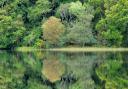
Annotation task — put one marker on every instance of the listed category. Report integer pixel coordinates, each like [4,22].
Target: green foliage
[109,3]
[14,72]
[80,34]
[20,22]
[80,31]
[33,37]
[11,30]
[110,72]
[113,26]
[36,85]
[98,6]
[67,1]
[39,43]
[11,77]
[76,8]
[106,21]
[40,7]
[63,12]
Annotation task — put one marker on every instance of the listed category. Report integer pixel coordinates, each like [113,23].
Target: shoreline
[73,49]
[89,49]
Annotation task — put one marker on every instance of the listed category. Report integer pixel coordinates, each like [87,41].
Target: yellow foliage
[52,30]
[53,69]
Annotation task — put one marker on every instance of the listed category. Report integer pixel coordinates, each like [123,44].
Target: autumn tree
[52,30]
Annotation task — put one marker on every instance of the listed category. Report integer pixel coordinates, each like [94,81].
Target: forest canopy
[59,23]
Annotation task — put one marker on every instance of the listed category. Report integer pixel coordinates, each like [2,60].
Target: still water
[63,70]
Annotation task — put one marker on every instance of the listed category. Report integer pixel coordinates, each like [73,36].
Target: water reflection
[51,70]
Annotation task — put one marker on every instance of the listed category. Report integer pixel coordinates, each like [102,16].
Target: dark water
[55,70]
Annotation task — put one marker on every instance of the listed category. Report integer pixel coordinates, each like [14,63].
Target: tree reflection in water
[51,70]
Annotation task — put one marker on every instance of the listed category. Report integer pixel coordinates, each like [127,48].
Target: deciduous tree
[52,30]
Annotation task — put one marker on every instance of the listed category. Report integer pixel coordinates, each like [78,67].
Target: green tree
[80,34]
[35,12]
[109,3]
[11,30]
[39,8]
[63,12]
[113,26]
[80,31]
[98,6]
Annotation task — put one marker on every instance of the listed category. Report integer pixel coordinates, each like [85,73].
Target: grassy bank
[73,49]
[26,49]
[88,49]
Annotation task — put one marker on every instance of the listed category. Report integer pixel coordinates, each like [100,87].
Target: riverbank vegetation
[61,23]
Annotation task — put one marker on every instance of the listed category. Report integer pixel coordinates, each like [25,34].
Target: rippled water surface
[63,70]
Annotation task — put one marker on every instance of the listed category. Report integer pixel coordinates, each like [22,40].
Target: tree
[109,3]
[80,34]
[125,39]
[63,12]
[112,27]
[16,21]
[11,30]
[80,31]
[39,8]
[52,30]
[98,6]
[85,20]
[33,12]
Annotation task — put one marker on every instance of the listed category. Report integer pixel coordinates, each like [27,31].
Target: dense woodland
[59,23]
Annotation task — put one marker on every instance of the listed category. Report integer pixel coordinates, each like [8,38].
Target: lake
[63,70]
